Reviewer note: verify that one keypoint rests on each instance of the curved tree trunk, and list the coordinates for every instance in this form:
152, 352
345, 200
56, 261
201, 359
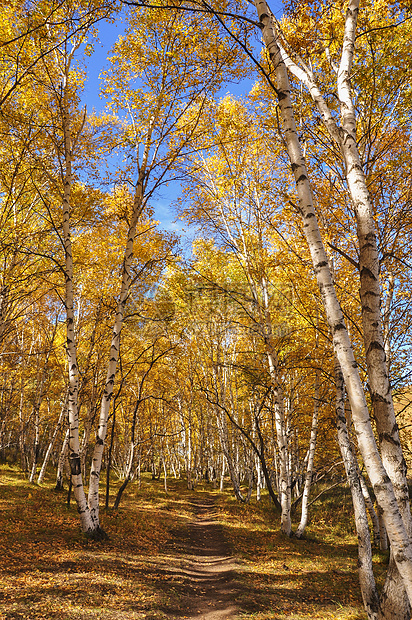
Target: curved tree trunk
365, 566
138, 203
381, 483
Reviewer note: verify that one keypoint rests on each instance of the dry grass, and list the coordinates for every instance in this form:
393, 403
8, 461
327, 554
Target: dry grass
297, 579
50, 571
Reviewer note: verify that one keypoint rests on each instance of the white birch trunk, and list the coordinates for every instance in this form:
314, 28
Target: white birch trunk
138, 203
86, 522
36, 445
372, 513
165, 474
384, 492
62, 461
370, 291
189, 470
62, 415
386, 319
222, 474
365, 566
285, 494
384, 546
128, 474
258, 479
311, 458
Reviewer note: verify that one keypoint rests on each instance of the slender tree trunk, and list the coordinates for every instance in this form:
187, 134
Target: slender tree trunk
372, 514
386, 319
311, 458
365, 566
285, 494
258, 479
36, 446
138, 204
86, 523
165, 474
109, 458
222, 474
370, 293
62, 462
381, 483
370, 290
384, 546
22, 434
127, 476
369, 264
139, 468
62, 416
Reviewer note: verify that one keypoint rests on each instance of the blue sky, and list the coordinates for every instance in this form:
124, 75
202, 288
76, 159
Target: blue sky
108, 34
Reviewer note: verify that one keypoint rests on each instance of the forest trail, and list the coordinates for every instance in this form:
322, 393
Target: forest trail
201, 570
169, 558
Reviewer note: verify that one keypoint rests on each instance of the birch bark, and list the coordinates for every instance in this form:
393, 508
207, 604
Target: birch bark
384, 491
370, 291
138, 204
372, 513
366, 578
86, 522
62, 461
311, 458
63, 414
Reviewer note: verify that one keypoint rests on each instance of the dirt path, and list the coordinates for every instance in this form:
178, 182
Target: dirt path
200, 575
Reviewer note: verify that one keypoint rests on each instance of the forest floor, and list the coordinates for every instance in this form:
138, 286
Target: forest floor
182, 555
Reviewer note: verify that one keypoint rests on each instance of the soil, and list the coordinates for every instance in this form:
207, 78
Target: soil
201, 579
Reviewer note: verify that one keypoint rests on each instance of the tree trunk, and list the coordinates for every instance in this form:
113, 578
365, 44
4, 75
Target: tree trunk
384, 546
258, 479
165, 474
109, 458
62, 462
222, 474
369, 265
311, 458
138, 203
86, 523
365, 566
372, 513
370, 290
127, 476
63, 414
381, 483
36, 446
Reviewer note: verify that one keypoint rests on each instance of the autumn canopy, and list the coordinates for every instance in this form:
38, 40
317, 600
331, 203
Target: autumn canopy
262, 341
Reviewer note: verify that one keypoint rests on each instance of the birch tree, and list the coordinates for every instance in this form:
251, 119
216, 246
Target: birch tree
61, 142
396, 515
163, 116
230, 199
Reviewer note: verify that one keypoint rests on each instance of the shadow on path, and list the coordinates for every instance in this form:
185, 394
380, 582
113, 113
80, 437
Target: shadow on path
199, 580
